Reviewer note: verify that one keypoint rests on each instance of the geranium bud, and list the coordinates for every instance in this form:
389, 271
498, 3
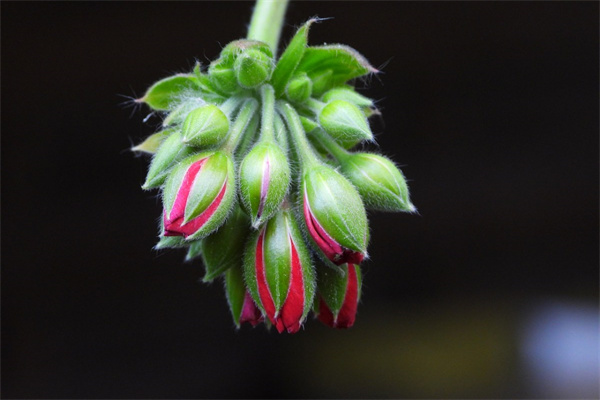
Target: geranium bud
205, 126
334, 215
379, 182
198, 195
345, 123
222, 77
168, 154
224, 249
243, 309
264, 181
299, 88
252, 68
278, 272
338, 295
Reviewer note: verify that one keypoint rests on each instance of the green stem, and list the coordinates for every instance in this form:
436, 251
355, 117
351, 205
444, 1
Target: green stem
267, 96
241, 123
267, 20
306, 154
331, 145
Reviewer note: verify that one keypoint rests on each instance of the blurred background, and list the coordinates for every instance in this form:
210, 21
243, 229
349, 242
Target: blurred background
492, 291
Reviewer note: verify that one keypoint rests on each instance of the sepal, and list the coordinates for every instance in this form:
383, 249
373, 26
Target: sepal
242, 307
162, 95
224, 249
168, 154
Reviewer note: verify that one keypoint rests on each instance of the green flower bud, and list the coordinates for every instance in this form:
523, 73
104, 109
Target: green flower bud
264, 181
347, 94
205, 126
168, 154
252, 68
299, 88
379, 182
334, 215
224, 249
345, 123
222, 77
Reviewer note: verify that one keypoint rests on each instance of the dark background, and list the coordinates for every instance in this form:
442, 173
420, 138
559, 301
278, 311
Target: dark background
491, 108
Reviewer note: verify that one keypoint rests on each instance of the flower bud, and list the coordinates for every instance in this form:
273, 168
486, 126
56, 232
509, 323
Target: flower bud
224, 249
243, 309
252, 68
345, 123
264, 181
198, 195
205, 126
279, 274
334, 215
167, 155
338, 296
222, 77
299, 88
379, 182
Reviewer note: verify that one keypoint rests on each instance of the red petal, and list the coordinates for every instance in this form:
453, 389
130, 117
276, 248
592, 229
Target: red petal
291, 312
333, 250
250, 313
261, 279
325, 314
183, 193
347, 314
175, 228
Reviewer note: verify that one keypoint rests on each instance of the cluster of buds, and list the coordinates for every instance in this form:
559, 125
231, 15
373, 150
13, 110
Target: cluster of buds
257, 177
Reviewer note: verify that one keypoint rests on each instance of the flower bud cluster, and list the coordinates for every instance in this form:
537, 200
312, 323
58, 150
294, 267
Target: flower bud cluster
257, 177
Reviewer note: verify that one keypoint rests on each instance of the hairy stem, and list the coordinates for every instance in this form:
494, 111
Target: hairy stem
267, 20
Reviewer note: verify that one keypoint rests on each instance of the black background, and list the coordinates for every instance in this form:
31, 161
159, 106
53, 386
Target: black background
491, 108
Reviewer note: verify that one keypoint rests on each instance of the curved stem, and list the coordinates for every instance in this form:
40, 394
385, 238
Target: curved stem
241, 123
267, 20
306, 154
267, 96
331, 145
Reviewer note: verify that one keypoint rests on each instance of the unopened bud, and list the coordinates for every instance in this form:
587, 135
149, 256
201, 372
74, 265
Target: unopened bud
252, 68
338, 295
205, 126
334, 215
379, 182
279, 274
299, 88
345, 123
198, 195
243, 309
264, 181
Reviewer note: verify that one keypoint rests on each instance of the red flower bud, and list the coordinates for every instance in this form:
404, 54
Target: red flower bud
341, 311
279, 274
198, 196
